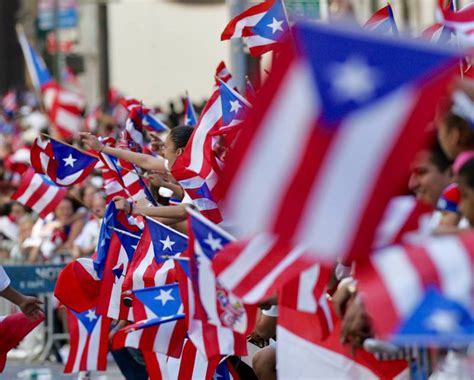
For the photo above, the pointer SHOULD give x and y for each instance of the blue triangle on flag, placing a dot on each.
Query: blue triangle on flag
(273, 24)
(164, 300)
(118, 271)
(105, 236)
(166, 241)
(438, 321)
(353, 69)
(88, 319)
(209, 237)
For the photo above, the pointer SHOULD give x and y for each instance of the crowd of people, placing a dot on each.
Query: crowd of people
(442, 179)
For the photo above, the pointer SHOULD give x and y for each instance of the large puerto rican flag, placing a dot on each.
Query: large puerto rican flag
(354, 119)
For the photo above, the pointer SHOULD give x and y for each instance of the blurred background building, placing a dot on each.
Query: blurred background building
(157, 49)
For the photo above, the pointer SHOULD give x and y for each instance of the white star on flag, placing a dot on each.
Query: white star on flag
(443, 321)
(276, 25)
(215, 244)
(69, 161)
(91, 315)
(235, 106)
(167, 243)
(353, 80)
(165, 296)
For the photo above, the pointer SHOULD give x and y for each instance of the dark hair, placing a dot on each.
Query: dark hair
(454, 121)
(180, 135)
(467, 173)
(438, 157)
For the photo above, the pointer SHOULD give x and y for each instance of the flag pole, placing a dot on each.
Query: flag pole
(178, 258)
(124, 232)
(455, 9)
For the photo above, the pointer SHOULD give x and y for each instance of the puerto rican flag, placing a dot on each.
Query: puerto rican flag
(303, 301)
(383, 21)
(150, 266)
(214, 304)
(139, 118)
(261, 26)
(234, 107)
(78, 285)
(165, 330)
(65, 108)
(89, 341)
(403, 218)
(212, 341)
(118, 240)
(222, 73)
(197, 168)
(462, 22)
(443, 262)
(439, 33)
(121, 179)
(327, 358)
(190, 117)
(62, 163)
(255, 269)
(9, 103)
(39, 193)
(192, 365)
(334, 104)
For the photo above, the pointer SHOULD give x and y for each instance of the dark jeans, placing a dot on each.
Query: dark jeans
(131, 363)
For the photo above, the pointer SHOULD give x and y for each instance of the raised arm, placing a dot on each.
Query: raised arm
(166, 214)
(144, 161)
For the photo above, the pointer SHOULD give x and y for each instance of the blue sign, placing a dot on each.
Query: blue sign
(66, 14)
(34, 279)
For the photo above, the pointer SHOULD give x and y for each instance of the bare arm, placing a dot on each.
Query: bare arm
(30, 306)
(166, 214)
(144, 161)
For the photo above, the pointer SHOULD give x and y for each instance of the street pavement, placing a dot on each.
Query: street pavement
(14, 367)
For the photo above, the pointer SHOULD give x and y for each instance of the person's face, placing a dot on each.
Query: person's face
(157, 145)
(89, 192)
(64, 211)
(427, 182)
(466, 204)
(448, 139)
(17, 212)
(98, 206)
(170, 151)
(25, 230)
